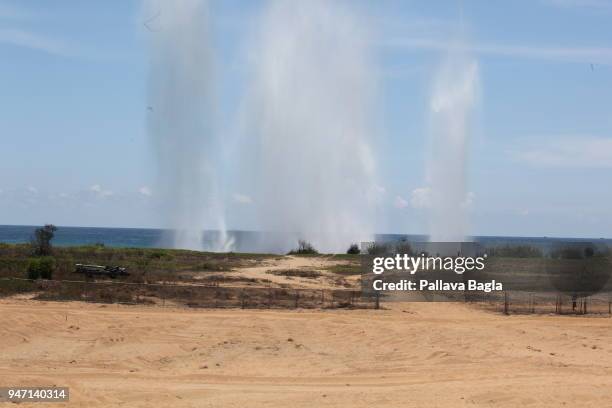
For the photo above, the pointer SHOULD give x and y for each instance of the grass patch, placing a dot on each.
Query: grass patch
(300, 273)
(345, 269)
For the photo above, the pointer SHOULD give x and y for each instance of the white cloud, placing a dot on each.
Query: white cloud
(145, 191)
(26, 39)
(100, 192)
(596, 4)
(32, 190)
(8, 11)
(400, 202)
(242, 198)
(569, 151)
(421, 197)
(42, 42)
(595, 55)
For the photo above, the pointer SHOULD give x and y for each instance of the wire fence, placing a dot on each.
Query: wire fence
(518, 302)
(249, 297)
(189, 295)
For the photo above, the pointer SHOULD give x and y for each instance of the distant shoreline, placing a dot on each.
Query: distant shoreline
(245, 241)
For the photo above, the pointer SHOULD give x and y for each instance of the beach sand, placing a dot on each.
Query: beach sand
(410, 355)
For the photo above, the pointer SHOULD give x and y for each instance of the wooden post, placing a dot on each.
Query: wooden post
(297, 298)
(505, 302)
(269, 298)
(377, 304)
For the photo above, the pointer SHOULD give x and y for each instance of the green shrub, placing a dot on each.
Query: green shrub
(378, 248)
(41, 268)
(304, 248)
(160, 254)
(34, 269)
(516, 251)
(404, 247)
(353, 250)
(41, 241)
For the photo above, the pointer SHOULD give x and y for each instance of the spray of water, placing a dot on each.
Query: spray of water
(181, 111)
(311, 110)
(454, 96)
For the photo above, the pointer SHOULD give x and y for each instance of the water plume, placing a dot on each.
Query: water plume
(452, 103)
(311, 110)
(181, 111)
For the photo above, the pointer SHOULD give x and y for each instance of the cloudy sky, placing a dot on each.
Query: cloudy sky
(73, 106)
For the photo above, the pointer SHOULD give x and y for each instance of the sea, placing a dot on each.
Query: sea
(244, 241)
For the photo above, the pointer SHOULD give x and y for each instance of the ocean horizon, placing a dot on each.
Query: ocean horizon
(244, 241)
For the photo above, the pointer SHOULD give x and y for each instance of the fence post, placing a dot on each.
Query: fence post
(505, 302)
(377, 305)
(269, 298)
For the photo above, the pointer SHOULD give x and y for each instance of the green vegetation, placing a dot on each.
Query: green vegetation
(377, 248)
(301, 273)
(304, 248)
(353, 250)
(515, 251)
(219, 265)
(353, 268)
(144, 264)
(41, 268)
(41, 242)
(403, 247)
(173, 277)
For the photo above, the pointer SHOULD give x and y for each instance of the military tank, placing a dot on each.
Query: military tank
(101, 270)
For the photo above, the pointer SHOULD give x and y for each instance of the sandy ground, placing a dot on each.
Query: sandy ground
(414, 355)
(328, 280)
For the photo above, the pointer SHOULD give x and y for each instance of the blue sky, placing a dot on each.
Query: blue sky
(73, 106)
